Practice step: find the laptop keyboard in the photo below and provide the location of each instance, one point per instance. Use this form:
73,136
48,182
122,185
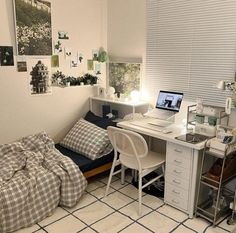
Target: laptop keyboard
147,126
160,123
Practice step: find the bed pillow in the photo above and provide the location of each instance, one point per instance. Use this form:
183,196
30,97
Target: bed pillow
99,121
87,139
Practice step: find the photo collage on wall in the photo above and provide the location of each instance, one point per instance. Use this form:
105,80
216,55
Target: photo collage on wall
37,54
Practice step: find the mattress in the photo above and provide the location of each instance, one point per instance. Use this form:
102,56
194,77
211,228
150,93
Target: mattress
85,164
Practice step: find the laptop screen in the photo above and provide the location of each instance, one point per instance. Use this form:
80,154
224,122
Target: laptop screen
170,101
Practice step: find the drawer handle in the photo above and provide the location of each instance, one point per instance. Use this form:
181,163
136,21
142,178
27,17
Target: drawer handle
177,161
178,172
174,201
177,182
174,191
178,151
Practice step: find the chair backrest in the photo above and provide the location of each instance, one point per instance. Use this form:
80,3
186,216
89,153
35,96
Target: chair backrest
127,143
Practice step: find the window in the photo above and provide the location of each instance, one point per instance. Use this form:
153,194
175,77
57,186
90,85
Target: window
191,45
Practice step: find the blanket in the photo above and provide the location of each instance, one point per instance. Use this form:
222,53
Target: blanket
34,179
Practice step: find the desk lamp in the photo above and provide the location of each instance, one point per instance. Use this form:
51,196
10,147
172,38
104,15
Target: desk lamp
229,86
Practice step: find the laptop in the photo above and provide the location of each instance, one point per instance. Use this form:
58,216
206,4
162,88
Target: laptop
167,105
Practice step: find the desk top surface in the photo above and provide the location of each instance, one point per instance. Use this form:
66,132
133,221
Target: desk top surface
177,130
118,101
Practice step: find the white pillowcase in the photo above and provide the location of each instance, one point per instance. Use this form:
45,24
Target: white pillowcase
88,139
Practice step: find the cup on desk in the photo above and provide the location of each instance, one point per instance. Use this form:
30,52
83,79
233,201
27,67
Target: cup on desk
212,120
200,119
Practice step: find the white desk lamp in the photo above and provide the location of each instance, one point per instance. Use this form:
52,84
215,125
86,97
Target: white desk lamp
230,86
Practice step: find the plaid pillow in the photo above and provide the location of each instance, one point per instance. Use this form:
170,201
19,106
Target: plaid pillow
88,139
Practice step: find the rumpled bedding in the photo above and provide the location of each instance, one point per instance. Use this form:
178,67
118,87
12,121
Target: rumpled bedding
34,179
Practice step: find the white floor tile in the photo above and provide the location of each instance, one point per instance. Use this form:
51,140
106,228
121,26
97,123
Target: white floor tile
215,230
93,212
183,229
173,213
58,213
69,224
131,210
131,191
39,231
135,228
85,200
117,184
117,200
92,185
152,202
87,230
158,223
226,226
105,180
197,224
28,229
112,223
100,192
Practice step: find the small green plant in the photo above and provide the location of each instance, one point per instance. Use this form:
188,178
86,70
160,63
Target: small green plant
59,79
90,79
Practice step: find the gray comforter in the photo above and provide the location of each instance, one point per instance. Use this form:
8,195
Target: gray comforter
34,179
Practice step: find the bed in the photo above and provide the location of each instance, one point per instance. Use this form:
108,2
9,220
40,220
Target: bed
87,166
34,179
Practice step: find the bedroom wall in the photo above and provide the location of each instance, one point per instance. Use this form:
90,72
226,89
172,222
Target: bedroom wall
126,29
22,114
127,38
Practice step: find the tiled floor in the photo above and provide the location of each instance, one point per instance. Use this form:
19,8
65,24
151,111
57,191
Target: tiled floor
118,213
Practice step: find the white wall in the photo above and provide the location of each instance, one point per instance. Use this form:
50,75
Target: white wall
22,114
126,29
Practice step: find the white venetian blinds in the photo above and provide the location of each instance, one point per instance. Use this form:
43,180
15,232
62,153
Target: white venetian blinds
191,45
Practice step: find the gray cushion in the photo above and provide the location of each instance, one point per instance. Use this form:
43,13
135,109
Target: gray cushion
87,139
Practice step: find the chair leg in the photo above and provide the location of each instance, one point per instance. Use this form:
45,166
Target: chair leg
110,177
135,175
122,174
163,169
140,195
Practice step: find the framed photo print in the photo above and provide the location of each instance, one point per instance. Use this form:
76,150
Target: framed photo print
101,92
33,27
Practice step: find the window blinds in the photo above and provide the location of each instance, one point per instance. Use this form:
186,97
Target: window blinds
191,45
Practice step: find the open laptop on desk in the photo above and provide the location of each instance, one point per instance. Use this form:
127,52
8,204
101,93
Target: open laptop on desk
167,105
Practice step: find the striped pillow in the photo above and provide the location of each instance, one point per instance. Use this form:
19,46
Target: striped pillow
87,139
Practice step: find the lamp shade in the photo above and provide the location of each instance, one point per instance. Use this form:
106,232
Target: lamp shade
221,85
135,96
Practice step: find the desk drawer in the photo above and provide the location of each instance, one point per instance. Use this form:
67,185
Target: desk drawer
177,182
179,150
178,160
176,192
177,202
177,171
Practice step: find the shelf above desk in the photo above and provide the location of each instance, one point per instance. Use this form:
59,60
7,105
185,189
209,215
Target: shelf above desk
121,103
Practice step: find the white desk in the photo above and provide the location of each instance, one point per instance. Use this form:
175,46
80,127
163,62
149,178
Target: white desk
182,161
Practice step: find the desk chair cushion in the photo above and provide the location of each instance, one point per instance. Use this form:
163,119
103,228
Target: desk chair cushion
152,159
87,139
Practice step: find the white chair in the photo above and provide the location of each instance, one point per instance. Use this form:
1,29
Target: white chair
133,153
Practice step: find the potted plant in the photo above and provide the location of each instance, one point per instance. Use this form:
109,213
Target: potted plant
90,79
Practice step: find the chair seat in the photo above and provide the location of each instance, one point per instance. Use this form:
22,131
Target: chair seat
152,160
